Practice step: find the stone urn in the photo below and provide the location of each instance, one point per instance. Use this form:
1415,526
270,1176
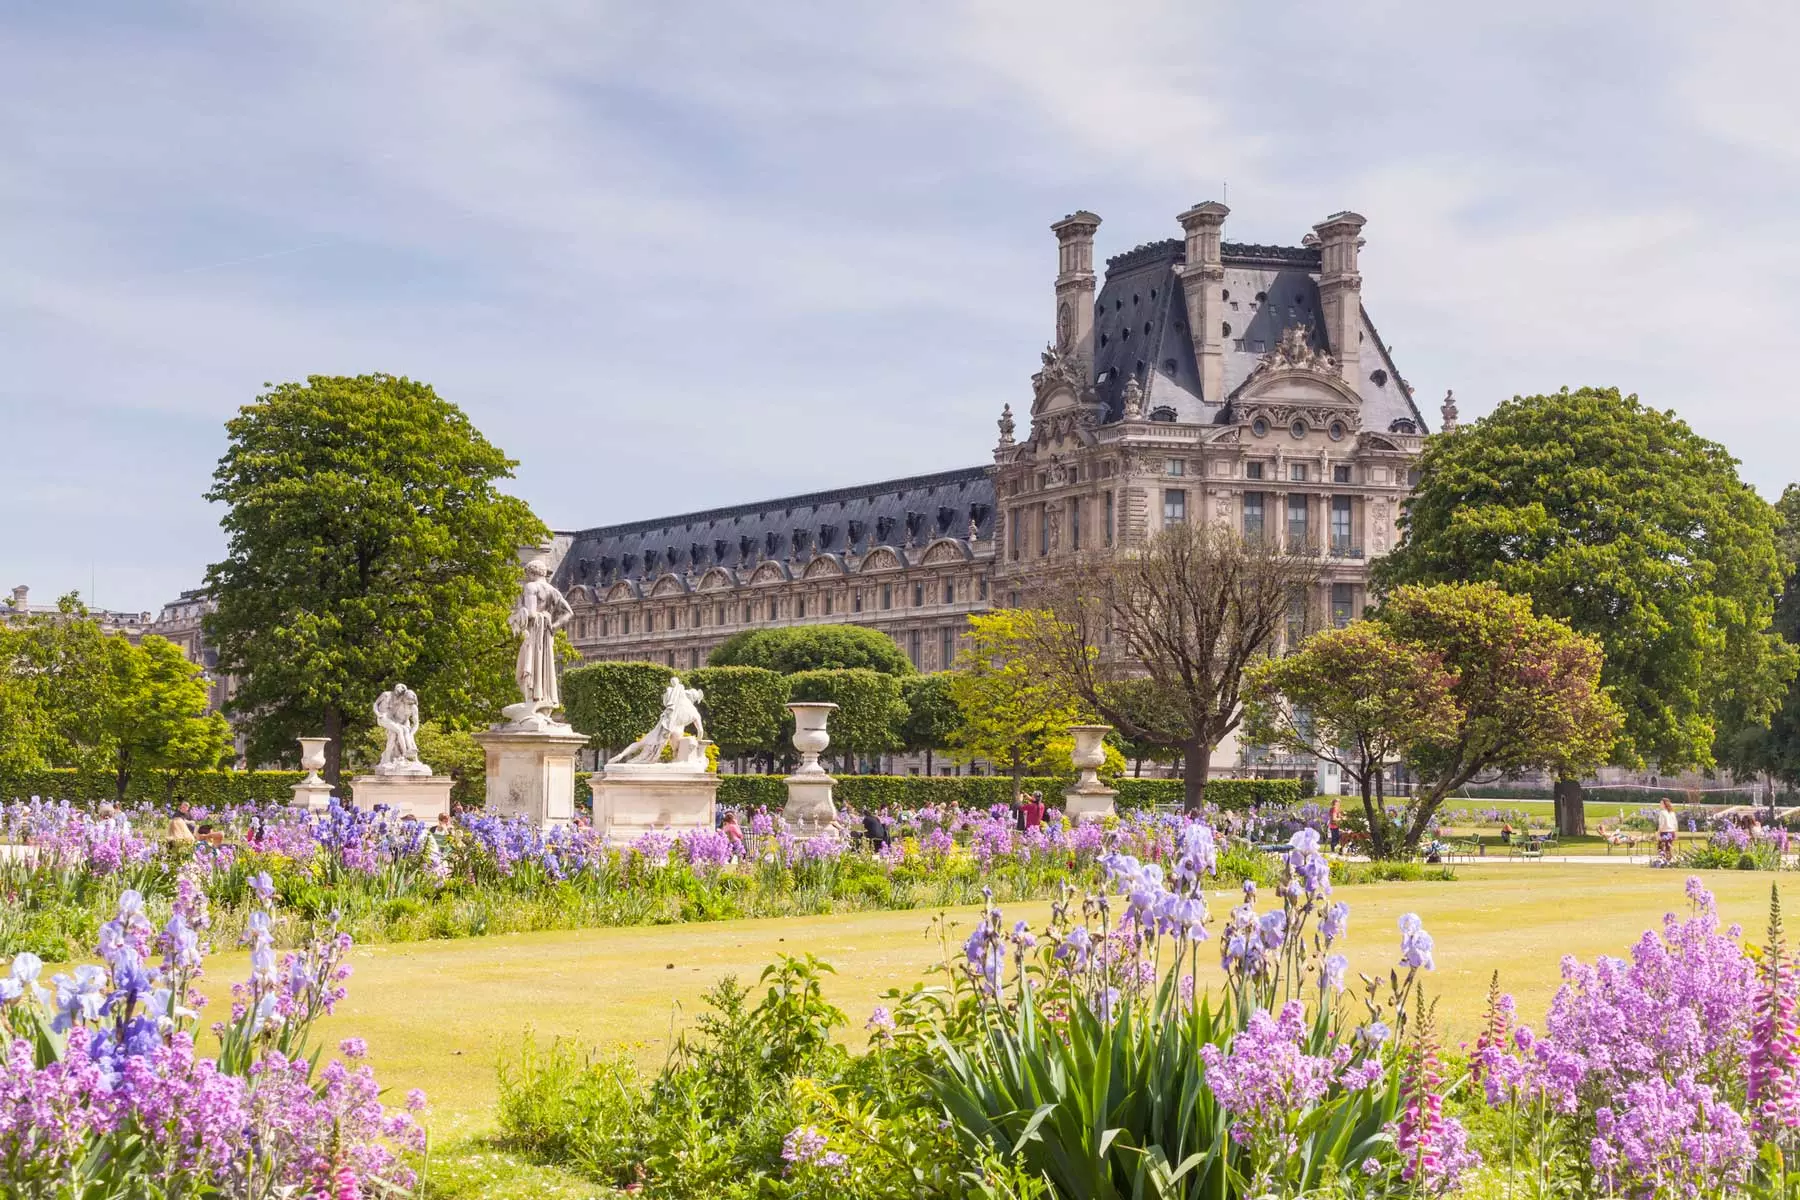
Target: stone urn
312,757
1088,799
1090,753
809,808
810,737
312,793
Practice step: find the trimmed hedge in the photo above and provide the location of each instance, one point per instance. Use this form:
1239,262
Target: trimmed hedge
212,789
908,792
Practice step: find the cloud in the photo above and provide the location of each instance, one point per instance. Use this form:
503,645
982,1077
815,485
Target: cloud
778,247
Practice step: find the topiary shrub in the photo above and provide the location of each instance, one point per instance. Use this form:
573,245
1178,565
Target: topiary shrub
614,703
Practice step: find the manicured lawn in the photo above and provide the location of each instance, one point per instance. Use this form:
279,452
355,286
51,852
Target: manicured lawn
442,1015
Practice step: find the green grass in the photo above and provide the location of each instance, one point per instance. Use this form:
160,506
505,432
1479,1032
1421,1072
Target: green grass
443,1015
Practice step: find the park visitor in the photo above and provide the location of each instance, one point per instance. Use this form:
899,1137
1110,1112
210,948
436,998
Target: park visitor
875,830
734,834
1031,811
1334,822
1666,826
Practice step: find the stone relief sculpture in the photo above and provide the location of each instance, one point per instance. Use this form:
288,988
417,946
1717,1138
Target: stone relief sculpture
1006,425
540,611
1133,400
681,709
397,712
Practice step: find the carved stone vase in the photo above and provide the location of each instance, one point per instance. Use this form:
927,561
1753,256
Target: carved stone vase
810,737
809,806
1088,799
312,793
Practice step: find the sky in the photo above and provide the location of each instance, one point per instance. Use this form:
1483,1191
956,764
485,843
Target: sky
673,255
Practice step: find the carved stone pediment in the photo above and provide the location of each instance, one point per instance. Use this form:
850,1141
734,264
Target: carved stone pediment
823,567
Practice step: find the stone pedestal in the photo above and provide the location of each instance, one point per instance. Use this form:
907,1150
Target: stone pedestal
424,796
531,773
631,800
1087,799
810,809
312,793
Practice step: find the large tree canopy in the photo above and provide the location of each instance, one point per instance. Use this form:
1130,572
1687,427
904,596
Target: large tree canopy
1622,521
1011,709
1772,744
368,545
792,649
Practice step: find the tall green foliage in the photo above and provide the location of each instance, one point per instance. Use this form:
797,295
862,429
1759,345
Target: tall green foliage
1011,709
744,706
792,649
1620,520
614,703
368,544
931,714
869,713
1772,745
74,696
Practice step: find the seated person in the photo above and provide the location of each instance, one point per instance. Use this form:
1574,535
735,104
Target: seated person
875,830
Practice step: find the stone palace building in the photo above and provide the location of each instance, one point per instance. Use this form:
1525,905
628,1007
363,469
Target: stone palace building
1200,380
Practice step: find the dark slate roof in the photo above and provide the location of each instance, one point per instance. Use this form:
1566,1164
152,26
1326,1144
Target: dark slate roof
1140,327
891,512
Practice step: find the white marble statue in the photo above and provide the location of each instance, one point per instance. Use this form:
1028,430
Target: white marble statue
539,613
681,709
397,712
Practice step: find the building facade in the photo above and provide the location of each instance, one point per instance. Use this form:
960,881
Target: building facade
1201,380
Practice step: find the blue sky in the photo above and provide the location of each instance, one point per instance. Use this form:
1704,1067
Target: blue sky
679,254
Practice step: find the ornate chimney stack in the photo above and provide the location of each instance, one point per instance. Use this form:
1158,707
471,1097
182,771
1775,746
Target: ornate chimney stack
1075,284
1202,282
1340,289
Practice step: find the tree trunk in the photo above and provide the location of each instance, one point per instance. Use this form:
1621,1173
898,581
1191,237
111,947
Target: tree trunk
121,777
1571,812
1137,767
1018,778
334,748
928,760
1376,815
1197,758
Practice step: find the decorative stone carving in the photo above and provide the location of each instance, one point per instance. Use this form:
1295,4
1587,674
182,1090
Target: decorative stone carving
1059,370
1006,425
312,793
1133,400
397,712
1088,799
540,611
1449,410
1065,325
680,711
809,806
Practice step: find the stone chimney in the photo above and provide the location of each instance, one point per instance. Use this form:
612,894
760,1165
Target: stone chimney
1202,282
1075,283
20,596
1340,289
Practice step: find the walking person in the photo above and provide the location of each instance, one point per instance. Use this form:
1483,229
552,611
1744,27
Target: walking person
1334,823
1666,825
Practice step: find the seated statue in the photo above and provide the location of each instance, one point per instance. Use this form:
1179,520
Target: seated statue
681,709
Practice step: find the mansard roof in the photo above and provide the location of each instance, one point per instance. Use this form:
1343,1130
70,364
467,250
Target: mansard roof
1140,327
790,530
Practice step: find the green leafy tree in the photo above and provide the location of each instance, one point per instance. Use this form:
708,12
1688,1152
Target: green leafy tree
155,714
1140,700
1528,690
1620,520
1357,697
745,708
1011,709
869,713
931,714
796,648
614,703
1772,745
78,696
368,544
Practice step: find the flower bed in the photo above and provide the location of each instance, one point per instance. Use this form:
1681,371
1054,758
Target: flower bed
104,1094
395,880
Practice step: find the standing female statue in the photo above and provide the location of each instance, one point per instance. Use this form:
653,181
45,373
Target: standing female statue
540,612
